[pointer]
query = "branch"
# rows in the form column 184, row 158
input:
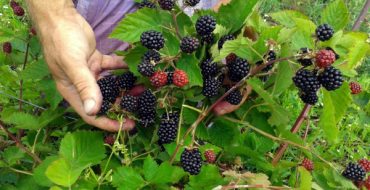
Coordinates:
column 361, row 16
column 251, row 186
column 174, row 18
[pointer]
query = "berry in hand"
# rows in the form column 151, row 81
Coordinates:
column 211, row 86
column 305, row 61
column 166, row 4
column 331, row 78
column 151, row 55
column 309, row 97
column 18, row 10
column 324, row 32
column 210, row 156
column 355, row 87
column 306, row 81
column 7, row 47
column 106, row 105
column 129, row 103
column 235, row 97
column 365, row 164
column 223, row 39
column 324, row 58
column 308, row 164
column 354, row 172
column 108, row 88
column 238, row 69
column 152, row 40
column 148, row 4
column 146, row 69
column 126, row 81
column 109, row 139
column 208, row 68
column 189, row 44
column 191, row 3
column 191, row 161
column 205, row 25
column 167, row 131
column 180, row 78
column 159, row 79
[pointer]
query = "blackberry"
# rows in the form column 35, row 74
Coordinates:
column 146, row 69
column 305, row 61
column 230, row 58
column 306, row 81
column 129, row 103
column 191, row 161
column 189, row 44
column 354, row 172
column 126, row 81
column 151, row 55
column 147, row 117
column 106, row 105
column 147, row 100
column 336, row 55
column 152, row 40
column 167, row 131
column 355, row 87
column 324, row 32
column 18, row 10
column 365, row 163
column 331, row 78
column 210, row 156
column 208, row 38
column 238, row 69
column 223, row 39
column 109, row 139
column 148, row 4
column 191, row 3
column 7, row 47
column 210, row 87
column 175, row 116
column 13, row 4
column 208, row 68
column 166, row 4
column 271, row 55
column 308, row 164
column 309, row 97
column 169, row 77
column 205, row 25
column 108, row 88
column 235, row 97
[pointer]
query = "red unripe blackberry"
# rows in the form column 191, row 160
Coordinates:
column 223, row 39
column 309, row 97
column 354, row 172
column 129, row 103
column 13, row 4
column 208, row 68
column 324, row 32
column 367, row 183
column 191, row 161
column 238, row 69
column 152, row 40
column 305, row 61
column 166, row 4
column 18, row 10
column 167, row 131
column 180, row 78
column 108, row 88
column 126, row 81
column 211, row 86
column 331, row 49
column 210, row 156
column 109, row 139
column 151, row 55
column 189, row 44
column 306, row 81
column 235, row 97
column 205, row 25
column 146, row 69
column 365, row 163
column 325, row 58
column 148, row 4
column 191, row 3
column 33, row 31
column 159, row 79
column 308, row 164
column 355, row 87
column 331, row 78
column 7, row 47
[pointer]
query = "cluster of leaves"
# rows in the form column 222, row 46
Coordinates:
column 244, row 140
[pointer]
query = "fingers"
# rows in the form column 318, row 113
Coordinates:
column 113, row 62
column 137, row 90
column 225, row 107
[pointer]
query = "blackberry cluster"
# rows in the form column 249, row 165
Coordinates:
column 211, row 86
column 191, row 3
column 146, row 108
column 151, row 55
column 167, row 131
column 166, row 4
column 205, row 25
column 306, row 81
column 108, row 88
column 309, row 97
column 152, row 40
column 189, row 44
column 331, row 78
column 191, row 161
column 223, row 39
column 305, row 61
column 354, row 172
column 148, row 4
column 129, row 103
column 238, row 69
column 126, row 81
column 7, row 47
column 324, row 32
column 146, row 69
column 208, row 68
column 235, row 97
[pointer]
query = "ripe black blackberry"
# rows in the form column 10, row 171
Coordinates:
column 147, row 100
column 208, row 68
column 151, row 55
column 270, row 56
column 147, row 116
column 146, row 69
column 235, row 97
column 191, row 3
column 189, row 44
column 152, row 40
column 126, row 81
column 238, row 69
column 166, row 4
column 336, row 55
column 305, row 61
column 208, row 38
column 108, row 88
column 324, row 32
column 167, row 131
column 148, row 4
column 309, row 97
column 174, row 115
column 106, row 105
column 191, row 161
column 223, row 39
column 205, row 25
column 354, row 172
column 211, row 86
column 129, row 103
column 169, row 77
column 331, row 78
column 306, row 81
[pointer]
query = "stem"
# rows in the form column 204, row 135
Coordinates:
column 174, row 18
column 361, row 16
column 253, row 187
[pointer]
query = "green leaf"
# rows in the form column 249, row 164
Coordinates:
column 223, row 132
column 242, row 47
column 12, row 155
column 22, row 120
column 336, row 14
column 150, row 167
column 127, row 178
column 283, row 78
column 37, row 71
column 356, row 55
column 287, row 17
column 52, row 95
column 270, row 33
column 189, row 64
column 167, row 173
column 39, row 172
column 130, row 28
column 208, row 178
column 62, row 173
column 133, row 58
column 306, row 179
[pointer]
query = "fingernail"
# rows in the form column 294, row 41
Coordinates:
column 89, row 105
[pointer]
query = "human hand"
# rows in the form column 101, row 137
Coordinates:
column 225, row 107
